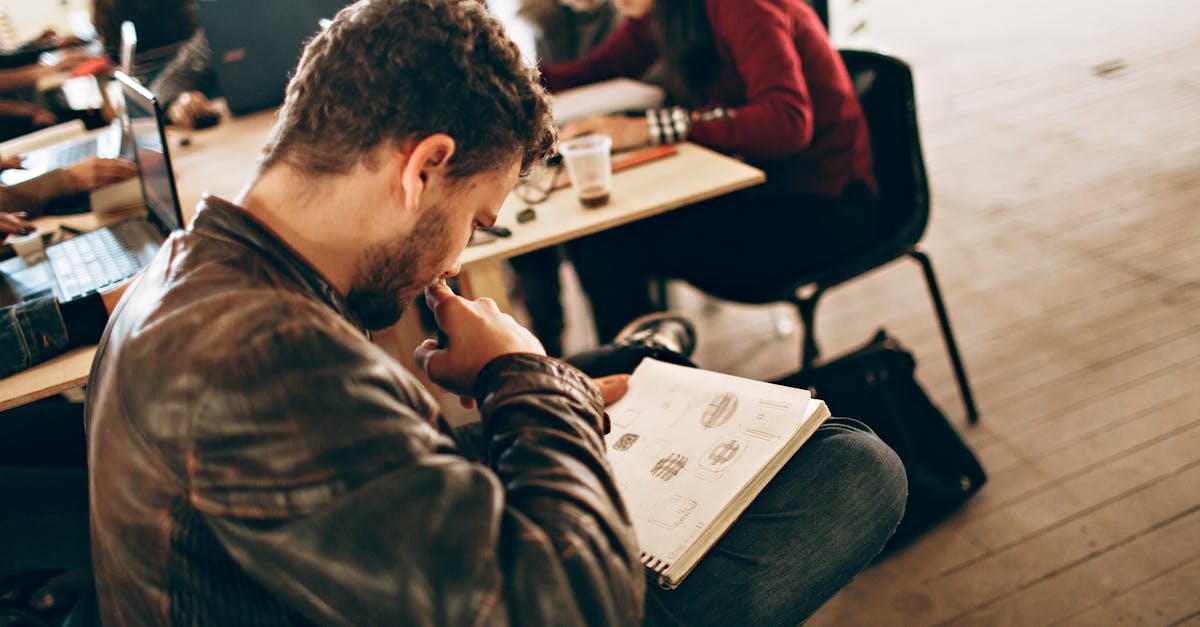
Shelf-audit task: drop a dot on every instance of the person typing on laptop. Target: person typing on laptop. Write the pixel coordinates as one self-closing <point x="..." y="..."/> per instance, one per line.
<point x="173" y="55"/>
<point x="31" y="196"/>
<point x="39" y="327"/>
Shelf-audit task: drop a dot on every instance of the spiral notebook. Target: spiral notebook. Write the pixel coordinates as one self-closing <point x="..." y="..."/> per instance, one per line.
<point x="690" y="450"/>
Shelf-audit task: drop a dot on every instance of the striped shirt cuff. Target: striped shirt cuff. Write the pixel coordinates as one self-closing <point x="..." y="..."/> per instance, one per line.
<point x="673" y="125"/>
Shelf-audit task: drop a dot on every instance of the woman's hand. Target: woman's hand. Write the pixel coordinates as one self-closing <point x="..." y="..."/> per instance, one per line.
<point x="94" y="172"/>
<point x="14" y="223"/>
<point x="626" y="132"/>
<point x="189" y="107"/>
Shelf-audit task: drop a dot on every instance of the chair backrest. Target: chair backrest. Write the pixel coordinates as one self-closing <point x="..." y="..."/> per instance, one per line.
<point x="885" y="88"/>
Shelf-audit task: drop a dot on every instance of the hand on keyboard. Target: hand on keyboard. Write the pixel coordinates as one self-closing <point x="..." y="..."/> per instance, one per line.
<point x="94" y="172"/>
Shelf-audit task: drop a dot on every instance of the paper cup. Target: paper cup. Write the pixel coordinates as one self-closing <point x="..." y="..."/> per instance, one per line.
<point x="27" y="246"/>
<point x="589" y="166"/>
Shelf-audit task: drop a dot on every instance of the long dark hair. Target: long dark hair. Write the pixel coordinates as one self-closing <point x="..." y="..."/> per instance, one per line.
<point x="158" y="22"/>
<point x="689" y="50"/>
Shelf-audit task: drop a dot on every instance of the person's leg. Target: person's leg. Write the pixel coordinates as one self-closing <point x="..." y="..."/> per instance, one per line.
<point x="818" y="523"/>
<point x="613" y="359"/>
<point x="759" y="241"/>
<point x="730" y="244"/>
<point x="614" y="269"/>
<point x="537" y="275"/>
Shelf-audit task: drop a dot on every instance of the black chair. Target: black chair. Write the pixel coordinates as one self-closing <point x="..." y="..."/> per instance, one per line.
<point x="885" y="88"/>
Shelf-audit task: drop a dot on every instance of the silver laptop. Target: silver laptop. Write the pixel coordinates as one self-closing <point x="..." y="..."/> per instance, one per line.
<point x="85" y="264"/>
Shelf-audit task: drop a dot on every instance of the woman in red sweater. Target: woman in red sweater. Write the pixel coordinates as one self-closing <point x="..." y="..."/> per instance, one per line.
<point x="753" y="78"/>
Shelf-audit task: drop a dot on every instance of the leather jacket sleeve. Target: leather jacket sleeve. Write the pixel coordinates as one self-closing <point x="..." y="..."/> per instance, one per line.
<point x="332" y="490"/>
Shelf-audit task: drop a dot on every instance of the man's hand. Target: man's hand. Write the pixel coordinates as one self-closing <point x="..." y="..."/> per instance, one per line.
<point x="612" y="387"/>
<point x="94" y="172"/>
<point x="15" y="223"/>
<point x="626" y="132"/>
<point x="476" y="332"/>
<point x="188" y="107"/>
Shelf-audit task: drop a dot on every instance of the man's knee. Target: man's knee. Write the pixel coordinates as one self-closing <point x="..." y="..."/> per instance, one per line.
<point x="874" y="484"/>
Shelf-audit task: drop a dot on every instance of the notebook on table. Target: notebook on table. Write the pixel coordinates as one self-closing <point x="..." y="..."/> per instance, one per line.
<point x="617" y="95"/>
<point x="692" y="448"/>
<point x="81" y="266"/>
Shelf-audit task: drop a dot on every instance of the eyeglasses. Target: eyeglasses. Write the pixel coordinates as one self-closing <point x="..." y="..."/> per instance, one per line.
<point x="540" y="183"/>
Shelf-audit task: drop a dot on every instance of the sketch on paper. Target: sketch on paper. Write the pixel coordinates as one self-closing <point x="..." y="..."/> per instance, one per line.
<point x="672" y="512"/>
<point x="761" y="434"/>
<point x="723" y="454"/>
<point x="624" y="442"/>
<point x="767" y="406"/>
<point x="669" y="466"/>
<point x="719" y="410"/>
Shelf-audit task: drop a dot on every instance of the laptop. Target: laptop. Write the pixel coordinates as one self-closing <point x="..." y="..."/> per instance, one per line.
<point x="256" y="45"/>
<point x="83" y="265"/>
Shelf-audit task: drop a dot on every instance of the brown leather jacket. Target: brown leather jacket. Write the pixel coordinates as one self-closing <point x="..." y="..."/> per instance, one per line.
<point x="255" y="460"/>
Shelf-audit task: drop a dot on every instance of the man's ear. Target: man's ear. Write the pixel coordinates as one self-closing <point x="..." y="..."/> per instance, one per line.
<point x="424" y="160"/>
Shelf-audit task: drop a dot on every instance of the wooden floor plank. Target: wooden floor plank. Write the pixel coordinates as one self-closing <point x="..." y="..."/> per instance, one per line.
<point x="1012" y="483"/>
<point x="1171" y="596"/>
<point x="907" y="601"/>
<point x="1146" y="559"/>
<point x="1072" y="496"/>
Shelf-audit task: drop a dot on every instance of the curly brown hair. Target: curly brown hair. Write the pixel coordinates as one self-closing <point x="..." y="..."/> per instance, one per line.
<point x="400" y="70"/>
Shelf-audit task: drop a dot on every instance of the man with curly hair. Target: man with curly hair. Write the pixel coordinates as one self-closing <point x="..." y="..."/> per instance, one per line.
<point x="255" y="460"/>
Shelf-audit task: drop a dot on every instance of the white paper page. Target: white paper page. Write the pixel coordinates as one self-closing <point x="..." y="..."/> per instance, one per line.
<point x="685" y="440"/>
<point x="604" y="98"/>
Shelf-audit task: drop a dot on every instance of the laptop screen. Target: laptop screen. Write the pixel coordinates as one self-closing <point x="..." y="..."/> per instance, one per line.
<point x="252" y="64"/>
<point x="142" y="120"/>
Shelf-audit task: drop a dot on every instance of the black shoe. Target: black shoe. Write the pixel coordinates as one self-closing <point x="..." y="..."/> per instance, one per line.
<point x="663" y="330"/>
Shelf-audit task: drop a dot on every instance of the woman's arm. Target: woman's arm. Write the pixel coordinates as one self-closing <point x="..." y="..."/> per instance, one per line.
<point x="628" y="52"/>
<point x="777" y="117"/>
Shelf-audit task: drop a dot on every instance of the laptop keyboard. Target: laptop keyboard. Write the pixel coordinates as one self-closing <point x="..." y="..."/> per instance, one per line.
<point x="89" y="262"/>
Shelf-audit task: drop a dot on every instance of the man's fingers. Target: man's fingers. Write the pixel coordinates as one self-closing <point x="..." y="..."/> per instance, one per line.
<point x="612" y="387"/>
<point x="424" y="354"/>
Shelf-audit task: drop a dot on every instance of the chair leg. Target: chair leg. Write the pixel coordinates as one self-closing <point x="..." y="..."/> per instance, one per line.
<point x="935" y="294"/>
<point x="809" y="351"/>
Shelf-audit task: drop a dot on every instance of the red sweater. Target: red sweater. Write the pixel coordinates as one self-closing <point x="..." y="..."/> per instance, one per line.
<point x="795" y="114"/>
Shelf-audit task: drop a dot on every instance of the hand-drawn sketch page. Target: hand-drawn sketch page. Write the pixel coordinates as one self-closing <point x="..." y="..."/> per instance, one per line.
<point x="684" y="441"/>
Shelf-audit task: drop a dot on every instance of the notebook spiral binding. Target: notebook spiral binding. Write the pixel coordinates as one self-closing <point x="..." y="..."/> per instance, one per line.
<point x="653" y="563"/>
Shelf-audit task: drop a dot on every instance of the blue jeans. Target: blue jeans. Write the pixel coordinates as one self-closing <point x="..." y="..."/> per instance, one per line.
<point x="819" y="522"/>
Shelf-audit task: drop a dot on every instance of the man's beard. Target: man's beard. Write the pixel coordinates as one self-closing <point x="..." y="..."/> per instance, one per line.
<point x="391" y="275"/>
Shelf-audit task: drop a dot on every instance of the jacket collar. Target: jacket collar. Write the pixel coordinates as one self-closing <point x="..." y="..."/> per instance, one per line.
<point x="218" y="218"/>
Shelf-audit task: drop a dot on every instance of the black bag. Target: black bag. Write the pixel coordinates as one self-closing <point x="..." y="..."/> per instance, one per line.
<point x="876" y="384"/>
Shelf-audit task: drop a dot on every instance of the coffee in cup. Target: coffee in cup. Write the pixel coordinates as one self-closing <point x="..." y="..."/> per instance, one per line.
<point x="589" y="166"/>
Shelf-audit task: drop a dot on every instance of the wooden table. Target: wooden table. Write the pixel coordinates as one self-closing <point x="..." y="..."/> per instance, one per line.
<point x="220" y="161"/>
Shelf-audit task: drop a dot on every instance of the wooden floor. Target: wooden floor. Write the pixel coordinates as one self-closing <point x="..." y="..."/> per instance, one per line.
<point x="1063" y="142"/>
